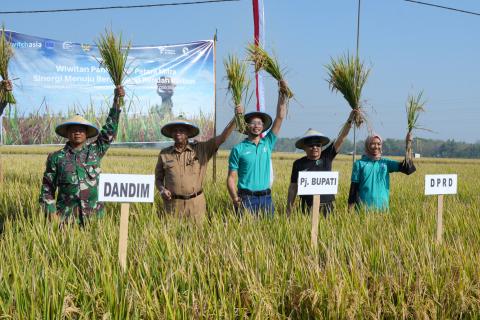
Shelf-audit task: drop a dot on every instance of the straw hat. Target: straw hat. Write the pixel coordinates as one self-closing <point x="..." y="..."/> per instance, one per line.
<point x="312" y="136"/>
<point x="267" y="120"/>
<point x="192" y="130"/>
<point x="62" y="129"/>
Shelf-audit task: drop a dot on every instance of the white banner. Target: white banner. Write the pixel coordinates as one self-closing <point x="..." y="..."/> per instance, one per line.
<point x="126" y="188"/>
<point x="317" y="182"/>
<point x="440" y="184"/>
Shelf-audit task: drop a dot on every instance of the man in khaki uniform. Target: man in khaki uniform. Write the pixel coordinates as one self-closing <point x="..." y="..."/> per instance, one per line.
<point x="181" y="168"/>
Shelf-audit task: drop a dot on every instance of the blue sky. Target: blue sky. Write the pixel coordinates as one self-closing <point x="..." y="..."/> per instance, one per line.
<point x="409" y="47"/>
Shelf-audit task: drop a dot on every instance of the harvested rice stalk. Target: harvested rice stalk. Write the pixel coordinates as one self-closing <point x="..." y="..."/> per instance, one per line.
<point x="6" y="53"/>
<point x="114" y="57"/>
<point x="238" y="83"/>
<point x="262" y="60"/>
<point x="414" y="106"/>
<point x="348" y="75"/>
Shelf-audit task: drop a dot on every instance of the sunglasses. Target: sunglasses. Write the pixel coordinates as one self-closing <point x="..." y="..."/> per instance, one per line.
<point x="315" y="145"/>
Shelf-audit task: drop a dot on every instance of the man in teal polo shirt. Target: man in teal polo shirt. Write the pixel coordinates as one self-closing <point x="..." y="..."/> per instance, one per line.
<point x="250" y="161"/>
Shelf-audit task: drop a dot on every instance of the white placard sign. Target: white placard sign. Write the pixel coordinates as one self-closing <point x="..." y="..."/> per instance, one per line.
<point x="126" y="188"/>
<point x="440" y="184"/>
<point x="317" y="182"/>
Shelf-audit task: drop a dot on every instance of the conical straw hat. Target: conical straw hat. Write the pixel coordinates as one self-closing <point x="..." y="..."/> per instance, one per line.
<point x="192" y="130"/>
<point x="62" y="129"/>
<point x="312" y="136"/>
<point x="267" y="120"/>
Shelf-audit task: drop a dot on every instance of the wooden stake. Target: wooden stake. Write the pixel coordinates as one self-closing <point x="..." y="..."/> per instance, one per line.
<point x="440" y="219"/>
<point x="123" y="238"/>
<point x="315" y="220"/>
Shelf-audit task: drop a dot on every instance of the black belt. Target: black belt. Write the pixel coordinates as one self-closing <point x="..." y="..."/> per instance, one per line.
<point x="188" y="196"/>
<point x="254" y="193"/>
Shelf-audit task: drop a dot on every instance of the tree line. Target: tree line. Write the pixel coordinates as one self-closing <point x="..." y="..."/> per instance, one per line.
<point x="391" y="147"/>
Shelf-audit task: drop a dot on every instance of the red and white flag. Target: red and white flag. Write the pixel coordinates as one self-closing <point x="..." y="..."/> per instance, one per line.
<point x="259" y="37"/>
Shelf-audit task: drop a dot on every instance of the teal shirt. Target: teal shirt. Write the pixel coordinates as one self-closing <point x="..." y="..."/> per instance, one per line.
<point x="373" y="178"/>
<point x="253" y="162"/>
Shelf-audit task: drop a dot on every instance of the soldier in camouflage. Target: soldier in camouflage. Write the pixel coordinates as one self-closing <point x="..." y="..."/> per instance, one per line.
<point x="74" y="170"/>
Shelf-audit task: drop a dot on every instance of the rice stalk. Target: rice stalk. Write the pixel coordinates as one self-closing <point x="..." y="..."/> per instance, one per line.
<point x="6" y="53"/>
<point x="238" y="84"/>
<point x="348" y="75"/>
<point x="114" y="57"/>
<point x="415" y="105"/>
<point x="262" y="60"/>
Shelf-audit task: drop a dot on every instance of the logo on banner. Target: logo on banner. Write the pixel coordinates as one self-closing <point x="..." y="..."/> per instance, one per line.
<point x="67" y="45"/>
<point x="166" y="51"/>
<point x="49" y="44"/>
<point x="24" y="44"/>
<point x="86" y="47"/>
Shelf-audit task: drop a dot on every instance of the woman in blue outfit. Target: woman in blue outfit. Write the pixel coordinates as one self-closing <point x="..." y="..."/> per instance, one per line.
<point x="370" y="183"/>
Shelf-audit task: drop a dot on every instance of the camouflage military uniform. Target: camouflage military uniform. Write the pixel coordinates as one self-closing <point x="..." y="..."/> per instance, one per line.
<point x="75" y="174"/>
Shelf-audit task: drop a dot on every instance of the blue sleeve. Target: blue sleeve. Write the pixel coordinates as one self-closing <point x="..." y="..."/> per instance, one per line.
<point x="271" y="139"/>
<point x="392" y="165"/>
<point x="356" y="172"/>
<point x="233" y="160"/>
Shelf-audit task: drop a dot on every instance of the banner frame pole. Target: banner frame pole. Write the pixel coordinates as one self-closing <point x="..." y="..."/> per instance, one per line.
<point x="214" y="168"/>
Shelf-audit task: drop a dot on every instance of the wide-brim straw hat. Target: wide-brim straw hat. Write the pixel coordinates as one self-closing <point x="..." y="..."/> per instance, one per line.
<point x="191" y="129"/>
<point x="62" y="129"/>
<point x="312" y="136"/>
<point x="266" y="119"/>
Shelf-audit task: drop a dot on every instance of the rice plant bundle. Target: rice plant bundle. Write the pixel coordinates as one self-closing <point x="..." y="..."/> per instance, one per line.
<point x="348" y="75"/>
<point x="262" y="60"/>
<point x="415" y="105"/>
<point x="238" y="83"/>
<point x="114" y="57"/>
<point x="6" y="53"/>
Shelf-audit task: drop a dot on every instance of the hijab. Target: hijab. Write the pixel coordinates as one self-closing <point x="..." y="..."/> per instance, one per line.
<point x="368" y="151"/>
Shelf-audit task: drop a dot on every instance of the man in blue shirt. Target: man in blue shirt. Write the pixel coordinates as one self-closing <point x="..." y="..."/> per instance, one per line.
<point x="250" y="160"/>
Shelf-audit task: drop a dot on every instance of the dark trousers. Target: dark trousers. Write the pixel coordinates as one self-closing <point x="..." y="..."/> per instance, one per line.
<point x="326" y="208"/>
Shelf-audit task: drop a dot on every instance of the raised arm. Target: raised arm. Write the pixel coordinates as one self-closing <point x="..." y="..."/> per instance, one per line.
<point x="406" y="166"/>
<point x="228" y="129"/>
<point x="344" y="132"/>
<point x="109" y="130"/>
<point x="281" y="108"/>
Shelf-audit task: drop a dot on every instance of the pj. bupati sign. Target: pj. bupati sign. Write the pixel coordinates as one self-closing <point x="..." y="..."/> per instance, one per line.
<point x="317" y="182"/>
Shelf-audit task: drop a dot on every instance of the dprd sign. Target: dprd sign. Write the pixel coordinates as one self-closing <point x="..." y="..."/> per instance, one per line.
<point x="317" y="182"/>
<point x="440" y="184"/>
<point x="126" y="188"/>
